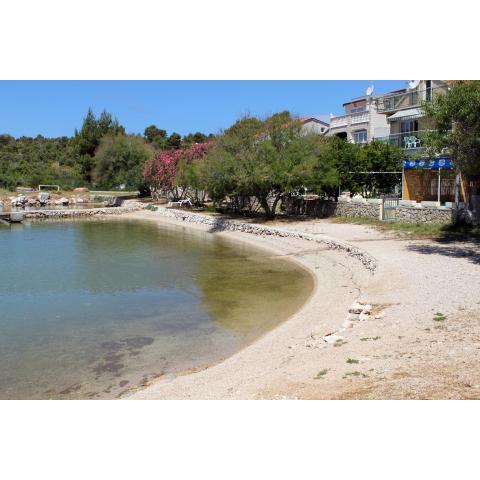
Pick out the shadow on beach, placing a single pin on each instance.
(457, 244)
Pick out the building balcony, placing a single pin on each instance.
(362, 117)
(340, 121)
(404, 100)
(349, 119)
(409, 141)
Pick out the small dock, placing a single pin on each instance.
(12, 217)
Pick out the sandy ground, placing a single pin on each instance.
(399, 352)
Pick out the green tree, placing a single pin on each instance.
(191, 138)
(119, 160)
(379, 157)
(30, 161)
(174, 141)
(267, 160)
(153, 134)
(456, 120)
(87, 139)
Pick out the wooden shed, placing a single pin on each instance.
(430, 180)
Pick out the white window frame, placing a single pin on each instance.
(356, 136)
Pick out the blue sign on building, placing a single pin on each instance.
(443, 163)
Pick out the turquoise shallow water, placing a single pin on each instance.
(91, 308)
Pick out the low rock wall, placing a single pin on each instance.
(222, 224)
(327, 208)
(84, 212)
(423, 215)
(358, 209)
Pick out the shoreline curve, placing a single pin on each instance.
(333, 265)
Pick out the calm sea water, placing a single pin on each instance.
(93, 308)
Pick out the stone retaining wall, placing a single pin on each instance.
(326, 208)
(423, 215)
(358, 209)
(84, 212)
(222, 224)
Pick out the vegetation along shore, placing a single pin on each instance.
(394, 312)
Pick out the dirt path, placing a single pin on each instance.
(403, 350)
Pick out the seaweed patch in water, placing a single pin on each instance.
(134, 343)
(138, 342)
(109, 367)
(72, 388)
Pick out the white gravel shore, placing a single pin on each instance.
(399, 351)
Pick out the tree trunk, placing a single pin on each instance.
(456, 210)
(270, 210)
(266, 207)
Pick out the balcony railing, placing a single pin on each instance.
(408, 99)
(360, 117)
(349, 119)
(405, 141)
(339, 121)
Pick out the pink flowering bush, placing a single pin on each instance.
(161, 171)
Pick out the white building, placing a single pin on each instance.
(361, 122)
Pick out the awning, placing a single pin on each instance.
(406, 114)
(444, 163)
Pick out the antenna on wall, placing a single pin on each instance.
(413, 84)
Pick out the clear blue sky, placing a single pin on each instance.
(56, 108)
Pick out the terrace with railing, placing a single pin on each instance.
(406, 99)
(349, 119)
(405, 141)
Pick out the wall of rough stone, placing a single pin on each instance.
(84, 212)
(370, 208)
(358, 209)
(326, 208)
(423, 215)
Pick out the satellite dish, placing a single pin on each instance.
(331, 115)
(413, 84)
(369, 90)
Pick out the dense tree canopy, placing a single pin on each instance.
(257, 163)
(33, 161)
(353, 161)
(253, 164)
(119, 161)
(153, 133)
(456, 118)
(264, 160)
(100, 154)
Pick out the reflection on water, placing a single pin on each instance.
(90, 308)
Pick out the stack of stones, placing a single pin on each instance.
(357, 312)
